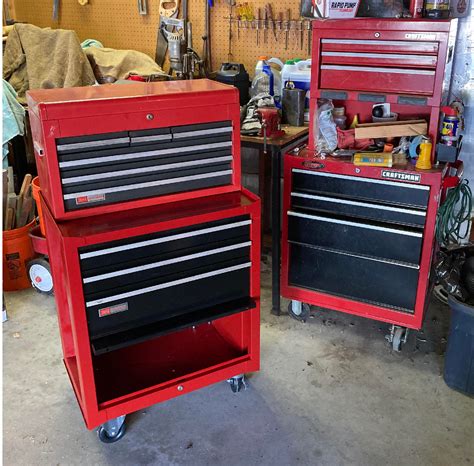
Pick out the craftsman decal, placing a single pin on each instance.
(108, 311)
(313, 165)
(420, 36)
(400, 176)
(93, 198)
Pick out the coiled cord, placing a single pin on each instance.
(455, 211)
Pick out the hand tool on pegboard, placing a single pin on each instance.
(167, 9)
(55, 10)
(301, 34)
(287, 26)
(206, 46)
(270, 19)
(280, 23)
(308, 28)
(257, 25)
(142, 7)
(231, 4)
(265, 25)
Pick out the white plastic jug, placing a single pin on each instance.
(297, 72)
(276, 73)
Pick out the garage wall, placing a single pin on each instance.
(117, 24)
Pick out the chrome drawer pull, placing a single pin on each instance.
(158, 264)
(162, 286)
(92, 144)
(357, 225)
(165, 239)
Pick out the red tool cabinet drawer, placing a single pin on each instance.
(112, 147)
(378, 79)
(379, 46)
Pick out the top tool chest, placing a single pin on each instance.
(105, 148)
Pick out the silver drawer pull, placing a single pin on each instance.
(202, 132)
(359, 204)
(165, 239)
(91, 144)
(162, 286)
(155, 265)
(369, 69)
(355, 224)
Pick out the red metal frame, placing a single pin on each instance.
(237, 334)
(68, 112)
(432, 178)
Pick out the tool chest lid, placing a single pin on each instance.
(56, 99)
(355, 24)
(91, 228)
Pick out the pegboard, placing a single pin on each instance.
(117, 24)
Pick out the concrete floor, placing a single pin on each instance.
(330, 392)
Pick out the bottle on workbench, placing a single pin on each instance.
(267, 79)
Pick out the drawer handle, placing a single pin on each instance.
(355, 224)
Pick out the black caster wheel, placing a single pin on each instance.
(237, 384)
(105, 437)
(299, 311)
(39, 272)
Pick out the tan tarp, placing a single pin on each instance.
(119, 64)
(44, 58)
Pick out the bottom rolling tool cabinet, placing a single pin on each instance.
(156, 302)
(359, 239)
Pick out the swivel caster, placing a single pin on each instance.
(398, 337)
(237, 383)
(112, 431)
(298, 310)
(39, 272)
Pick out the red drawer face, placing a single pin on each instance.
(379, 46)
(378, 79)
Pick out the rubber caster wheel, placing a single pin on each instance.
(39, 272)
(237, 384)
(399, 338)
(299, 311)
(105, 437)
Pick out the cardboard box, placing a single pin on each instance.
(393, 129)
(335, 9)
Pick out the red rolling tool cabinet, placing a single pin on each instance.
(360, 239)
(159, 295)
(113, 147)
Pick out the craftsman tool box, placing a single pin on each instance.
(107, 148)
(156, 301)
(359, 239)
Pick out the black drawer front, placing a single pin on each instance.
(351, 187)
(394, 244)
(106, 169)
(354, 277)
(150, 278)
(381, 213)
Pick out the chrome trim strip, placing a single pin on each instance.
(85, 144)
(131, 187)
(202, 132)
(368, 69)
(165, 239)
(355, 224)
(156, 168)
(360, 204)
(139, 155)
(158, 264)
(419, 58)
(161, 286)
(377, 42)
(363, 180)
(152, 138)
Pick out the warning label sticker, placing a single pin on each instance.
(108, 311)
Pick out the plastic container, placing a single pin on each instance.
(35, 188)
(235, 75)
(17, 252)
(298, 72)
(393, 117)
(459, 357)
(341, 121)
(263, 60)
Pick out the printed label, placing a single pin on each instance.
(108, 311)
(92, 198)
(313, 165)
(401, 176)
(420, 36)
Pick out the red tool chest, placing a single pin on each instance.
(360, 239)
(105, 148)
(158, 301)
(406, 63)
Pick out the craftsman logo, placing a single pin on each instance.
(93, 198)
(313, 165)
(400, 176)
(420, 36)
(108, 311)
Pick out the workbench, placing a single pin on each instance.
(293, 137)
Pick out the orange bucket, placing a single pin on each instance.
(35, 186)
(17, 252)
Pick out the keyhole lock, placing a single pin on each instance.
(377, 34)
(150, 116)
